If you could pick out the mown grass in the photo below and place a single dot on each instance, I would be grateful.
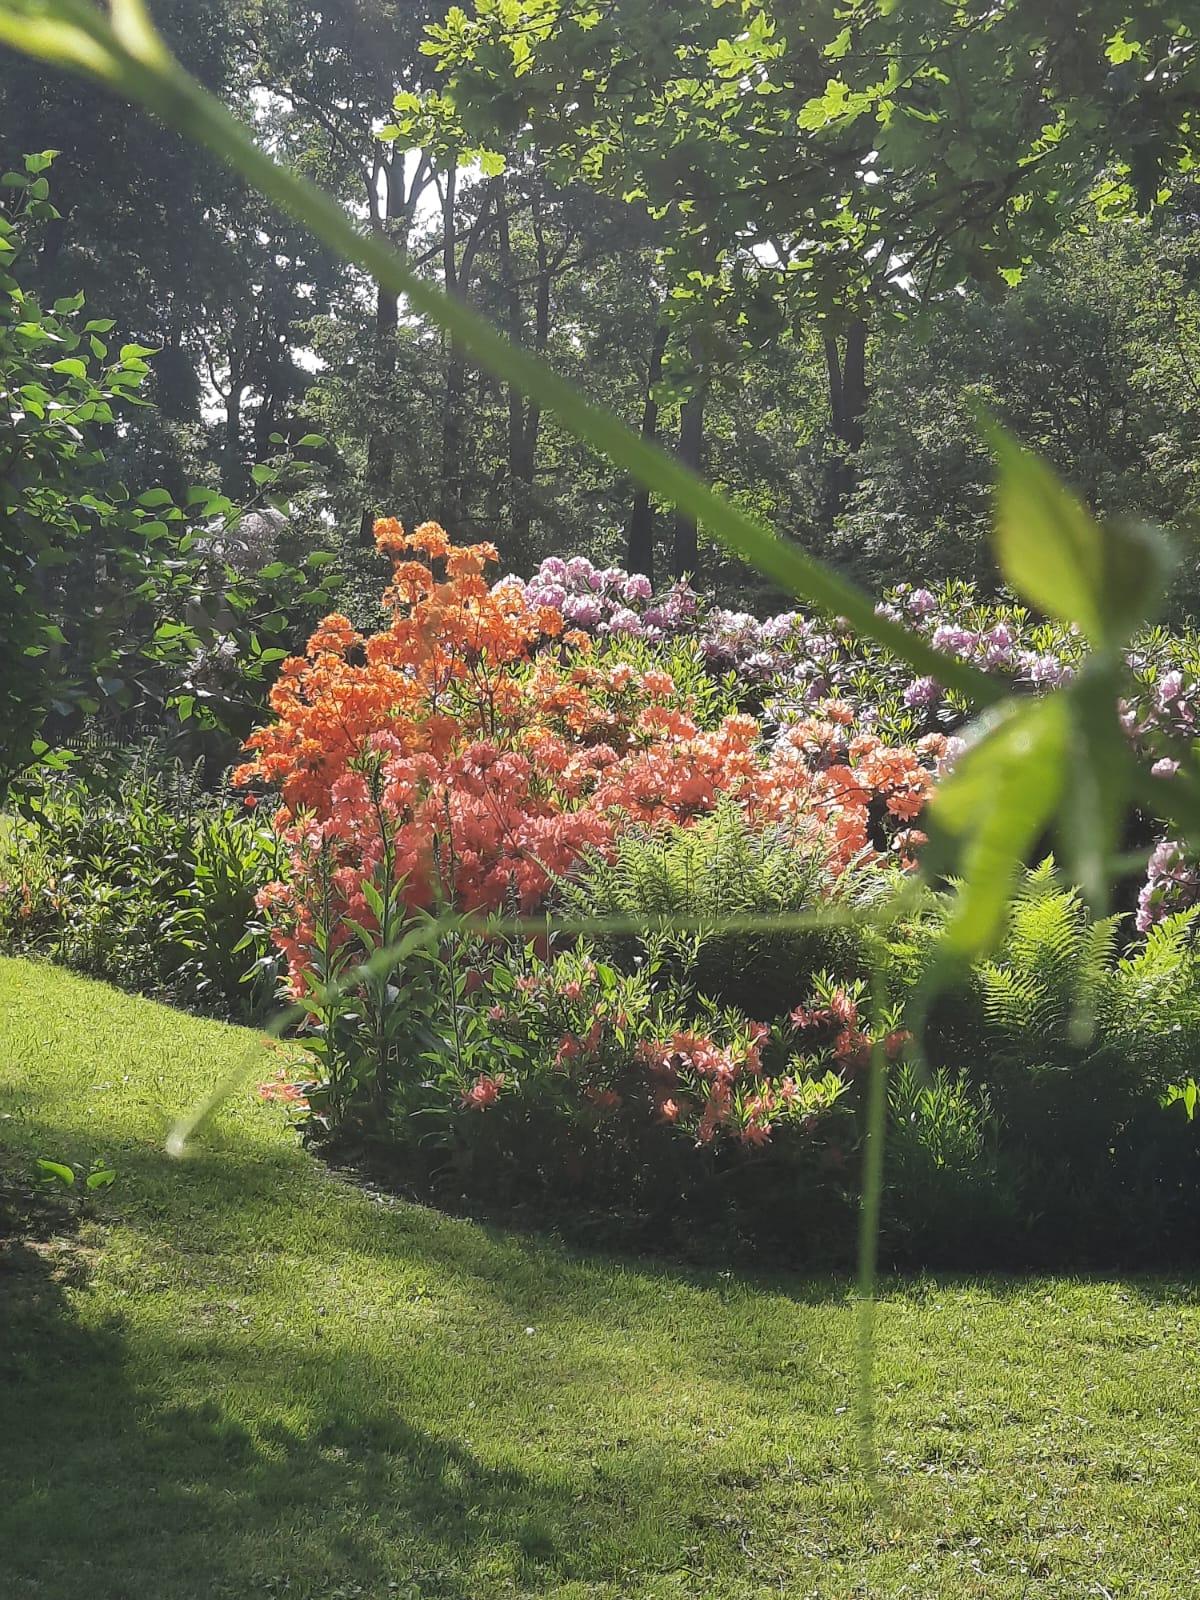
(247, 1378)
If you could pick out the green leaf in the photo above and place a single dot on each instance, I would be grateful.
(838, 47)
(56, 1170)
(155, 497)
(1138, 564)
(101, 1178)
(37, 334)
(1121, 49)
(1102, 768)
(990, 810)
(209, 502)
(1106, 580)
(312, 441)
(1047, 544)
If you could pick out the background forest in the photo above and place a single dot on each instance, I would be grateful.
(854, 435)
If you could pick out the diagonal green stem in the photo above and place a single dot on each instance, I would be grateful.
(868, 1257)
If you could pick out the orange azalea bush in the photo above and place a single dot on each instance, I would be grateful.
(473, 750)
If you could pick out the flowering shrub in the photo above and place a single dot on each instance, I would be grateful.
(799, 660)
(486, 754)
(471, 753)
(464, 763)
(562, 1080)
(1172, 884)
(612, 1044)
(791, 664)
(610, 601)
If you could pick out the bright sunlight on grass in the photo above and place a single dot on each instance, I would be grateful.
(246, 1377)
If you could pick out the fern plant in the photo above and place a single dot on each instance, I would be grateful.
(1081, 1047)
(1059, 987)
(1054, 963)
(693, 892)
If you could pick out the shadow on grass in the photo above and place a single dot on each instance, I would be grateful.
(113, 1491)
(164, 1460)
(226, 1175)
(166, 1443)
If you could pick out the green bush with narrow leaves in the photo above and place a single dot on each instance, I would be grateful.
(142, 877)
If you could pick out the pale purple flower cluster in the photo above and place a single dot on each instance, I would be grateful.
(791, 661)
(1044, 671)
(1172, 884)
(609, 600)
(922, 692)
(756, 650)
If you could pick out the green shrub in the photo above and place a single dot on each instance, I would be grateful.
(140, 877)
(609, 1100)
(116, 603)
(705, 1089)
(1081, 1050)
(948, 1197)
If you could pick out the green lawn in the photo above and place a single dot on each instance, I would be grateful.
(247, 1378)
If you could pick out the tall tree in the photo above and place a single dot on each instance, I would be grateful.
(860, 157)
(337, 67)
(639, 532)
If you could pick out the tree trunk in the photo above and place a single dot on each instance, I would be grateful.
(233, 468)
(270, 416)
(517, 503)
(685, 558)
(524, 417)
(848, 395)
(381, 442)
(457, 282)
(526, 464)
(456, 368)
(639, 530)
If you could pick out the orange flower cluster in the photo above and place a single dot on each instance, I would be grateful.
(846, 783)
(474, 752)
(444, 667)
